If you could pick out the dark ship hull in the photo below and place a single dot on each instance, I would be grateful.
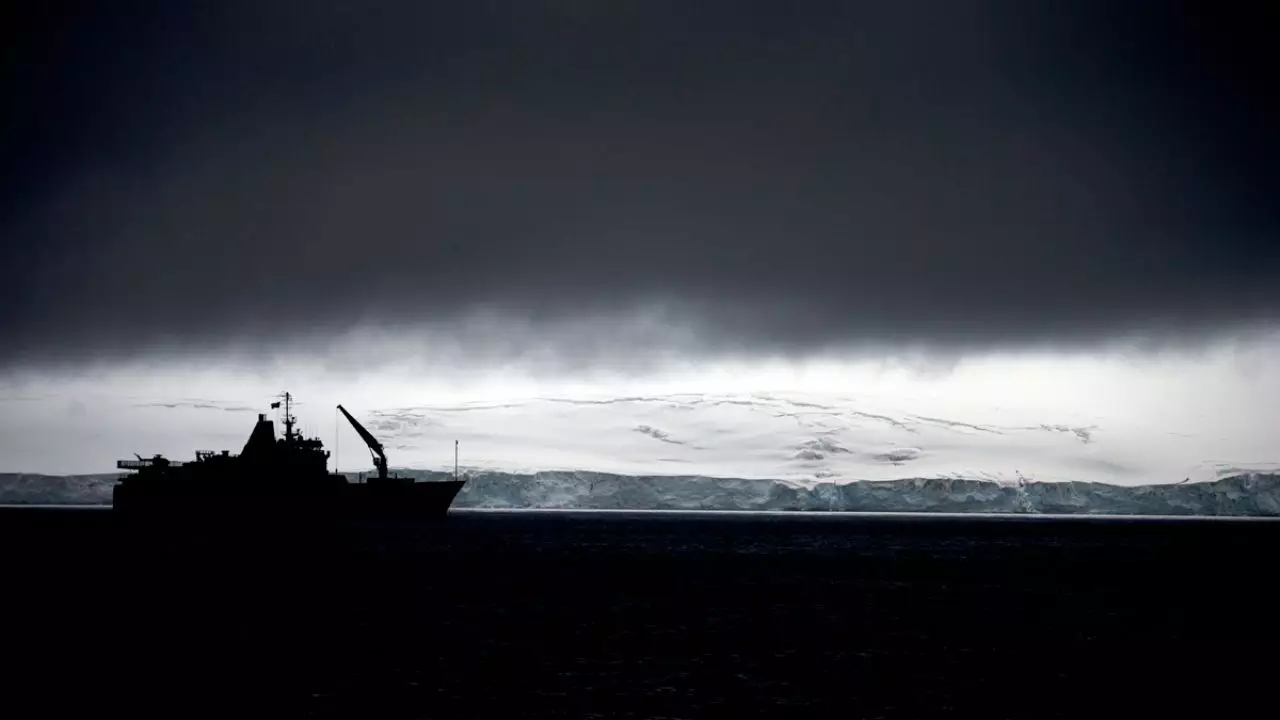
(282, 481)
(340, 500)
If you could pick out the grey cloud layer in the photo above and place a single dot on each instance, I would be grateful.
(778, 177)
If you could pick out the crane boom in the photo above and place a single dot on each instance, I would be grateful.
(380, 461)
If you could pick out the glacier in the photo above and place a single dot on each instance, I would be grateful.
(1242, 495)
(1121, 453)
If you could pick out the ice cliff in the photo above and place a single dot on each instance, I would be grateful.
(1250, 494)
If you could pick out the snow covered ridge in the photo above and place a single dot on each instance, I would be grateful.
(1250, 494)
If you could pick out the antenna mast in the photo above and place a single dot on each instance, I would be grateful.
(288, 419)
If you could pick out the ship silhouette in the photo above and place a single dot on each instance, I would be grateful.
(278, 477)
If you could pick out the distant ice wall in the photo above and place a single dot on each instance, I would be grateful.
(1251, 494)
(36, 489)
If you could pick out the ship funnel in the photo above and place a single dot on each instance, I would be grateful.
(262, 440)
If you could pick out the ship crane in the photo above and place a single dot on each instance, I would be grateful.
(375, 448)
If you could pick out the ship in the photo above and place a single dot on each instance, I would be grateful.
(277, 478)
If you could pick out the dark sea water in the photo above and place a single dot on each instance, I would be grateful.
(641, 615)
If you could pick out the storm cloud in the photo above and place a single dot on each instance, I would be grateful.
(771, 177)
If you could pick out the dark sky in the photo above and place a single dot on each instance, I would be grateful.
(781, 177)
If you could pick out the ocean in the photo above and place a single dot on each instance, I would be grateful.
(581, 614)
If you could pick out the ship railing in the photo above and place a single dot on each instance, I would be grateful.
(140, 464)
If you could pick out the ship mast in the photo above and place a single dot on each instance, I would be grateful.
(288, 419)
